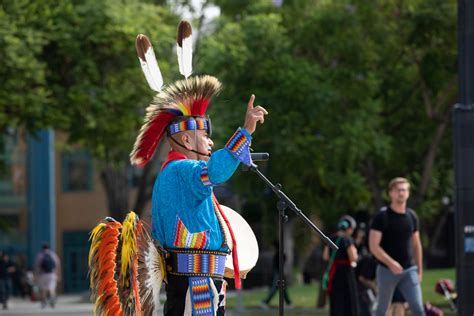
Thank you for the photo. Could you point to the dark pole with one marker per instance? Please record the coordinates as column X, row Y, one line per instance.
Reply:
column 463, row 134
column 285, row 202
column 283, row 218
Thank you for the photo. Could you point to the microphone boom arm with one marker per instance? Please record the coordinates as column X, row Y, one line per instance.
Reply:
column 290, row 204
column 283, row 203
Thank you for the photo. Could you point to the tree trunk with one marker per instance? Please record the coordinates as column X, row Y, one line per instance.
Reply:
column 116, row 187
column 200, row 28
column 436, row 235
column 145, row 187
column 429, row 160
column 370, row 174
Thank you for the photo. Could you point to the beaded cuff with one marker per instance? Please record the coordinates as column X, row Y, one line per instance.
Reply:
column 205, row 177
column 238, row 146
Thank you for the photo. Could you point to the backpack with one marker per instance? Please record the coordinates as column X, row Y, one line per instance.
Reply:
column 47, row 263
column 410, row 213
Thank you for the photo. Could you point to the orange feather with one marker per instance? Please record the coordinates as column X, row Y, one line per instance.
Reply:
column 102, row 263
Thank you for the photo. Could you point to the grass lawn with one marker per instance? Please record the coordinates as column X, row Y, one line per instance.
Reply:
column 304, row 297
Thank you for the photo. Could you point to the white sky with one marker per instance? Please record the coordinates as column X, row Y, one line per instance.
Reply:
column 210, row 13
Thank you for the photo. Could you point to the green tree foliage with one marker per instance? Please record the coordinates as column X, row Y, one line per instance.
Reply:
column 358, row 93
column 100, row 84
column 95, row 74
column 24, row 93
column 72, row 65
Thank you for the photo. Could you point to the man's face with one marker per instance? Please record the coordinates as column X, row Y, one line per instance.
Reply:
column 203, row 144
column 400, row 193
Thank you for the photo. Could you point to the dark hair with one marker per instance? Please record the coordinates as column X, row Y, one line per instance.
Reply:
column 45, row 246
column 346, row 222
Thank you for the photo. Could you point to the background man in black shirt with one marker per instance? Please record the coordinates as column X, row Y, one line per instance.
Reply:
column 394, row 240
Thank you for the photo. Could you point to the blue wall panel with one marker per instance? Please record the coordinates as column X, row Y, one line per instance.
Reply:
column 41, row 192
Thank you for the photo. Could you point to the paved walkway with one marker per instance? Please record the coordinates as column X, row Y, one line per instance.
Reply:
column 70, row 305
column 78, row 305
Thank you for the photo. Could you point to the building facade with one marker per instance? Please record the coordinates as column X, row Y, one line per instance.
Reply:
column 80, row 203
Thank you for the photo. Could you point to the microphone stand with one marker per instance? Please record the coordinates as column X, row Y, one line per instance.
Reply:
column 283, row 203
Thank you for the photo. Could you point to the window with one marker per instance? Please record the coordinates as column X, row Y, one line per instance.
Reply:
column 12, row 171
column 76, row 171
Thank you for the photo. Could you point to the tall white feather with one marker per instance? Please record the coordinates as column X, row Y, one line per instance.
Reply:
column 147, row 59
column 184, row 49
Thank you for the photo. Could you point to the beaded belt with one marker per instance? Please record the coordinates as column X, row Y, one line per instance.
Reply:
column 196, row 263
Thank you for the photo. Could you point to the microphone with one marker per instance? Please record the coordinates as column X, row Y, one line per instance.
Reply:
column 260, row 156
column 256, row 157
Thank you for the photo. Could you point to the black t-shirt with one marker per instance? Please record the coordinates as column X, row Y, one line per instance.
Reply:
column 397, row 231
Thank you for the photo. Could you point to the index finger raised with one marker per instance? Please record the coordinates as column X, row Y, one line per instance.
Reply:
column 250, row 104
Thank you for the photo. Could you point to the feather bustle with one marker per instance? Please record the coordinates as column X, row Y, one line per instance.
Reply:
column 128, row 281
column 151, row 273
column 102, row 262
column 136, row 285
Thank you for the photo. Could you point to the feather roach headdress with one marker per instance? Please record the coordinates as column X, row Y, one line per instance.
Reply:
column 178, row 107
